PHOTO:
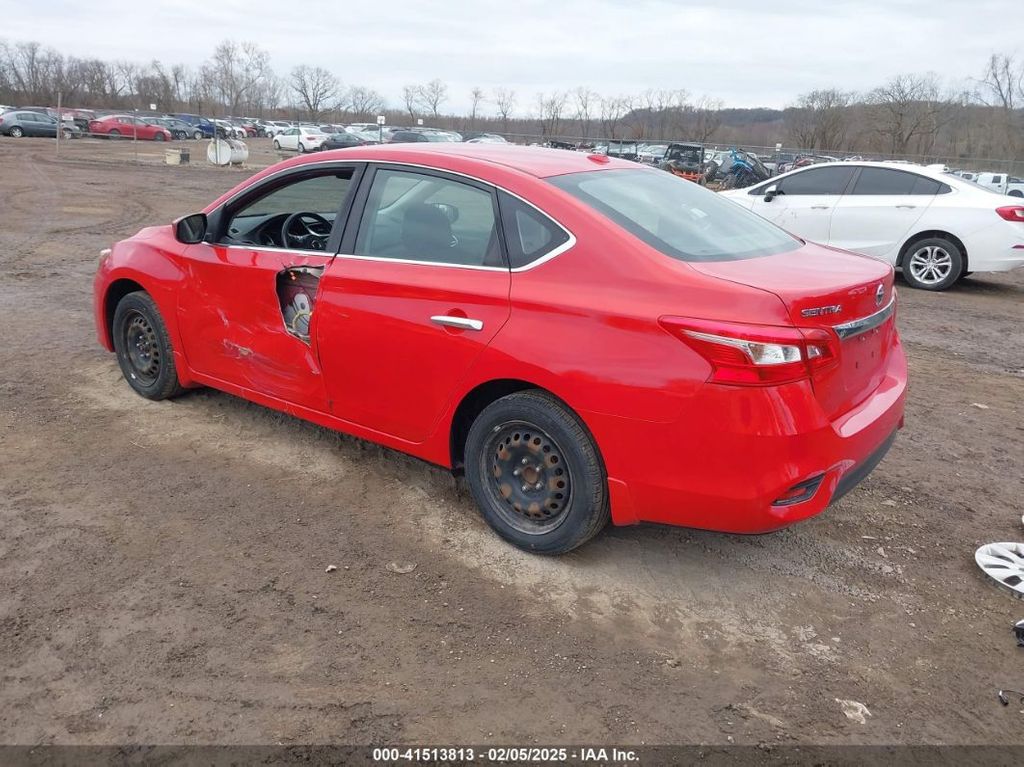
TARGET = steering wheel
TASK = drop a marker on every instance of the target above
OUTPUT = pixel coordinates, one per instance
(310, 240)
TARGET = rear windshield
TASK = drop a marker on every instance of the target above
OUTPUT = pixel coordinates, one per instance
(678, 217)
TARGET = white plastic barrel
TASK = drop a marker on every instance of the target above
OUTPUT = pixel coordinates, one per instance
(227, 151)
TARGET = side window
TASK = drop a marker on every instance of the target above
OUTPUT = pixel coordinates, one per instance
(997, 179)
(261, 221)
(418, 217)
(529, 234)
(926, 186)
(884, 181)
(817, 181)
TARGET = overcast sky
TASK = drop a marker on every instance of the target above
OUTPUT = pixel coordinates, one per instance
(745, 52)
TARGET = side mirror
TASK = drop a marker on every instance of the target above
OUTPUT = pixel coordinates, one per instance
(191, 229)
(770, 193)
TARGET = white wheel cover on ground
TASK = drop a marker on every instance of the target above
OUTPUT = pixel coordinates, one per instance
(1003, 563)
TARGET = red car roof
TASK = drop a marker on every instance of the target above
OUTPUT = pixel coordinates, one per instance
(536, 161)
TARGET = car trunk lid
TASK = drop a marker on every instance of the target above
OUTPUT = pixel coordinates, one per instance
(847, 294)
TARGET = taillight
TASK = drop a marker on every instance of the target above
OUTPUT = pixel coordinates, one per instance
(756, 355)
(1011, 212)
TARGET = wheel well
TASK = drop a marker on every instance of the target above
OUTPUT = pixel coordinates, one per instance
(117, 290)
(934, 233)
(472, 405)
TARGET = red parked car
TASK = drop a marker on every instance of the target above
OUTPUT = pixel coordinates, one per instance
(584, 338)
(127, 126)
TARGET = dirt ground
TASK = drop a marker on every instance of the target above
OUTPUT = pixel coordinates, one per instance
(162, 565)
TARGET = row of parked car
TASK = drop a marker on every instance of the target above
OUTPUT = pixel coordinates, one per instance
(75, 123)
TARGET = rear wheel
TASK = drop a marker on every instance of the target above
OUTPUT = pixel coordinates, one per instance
(536, 474)
(66, 134)
(933, 264)
(17, 132)
(143, 347)
(197, 135)
(158, 136)
(1016, 193)
(115, 134)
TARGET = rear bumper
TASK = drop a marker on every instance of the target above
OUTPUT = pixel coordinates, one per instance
(736, 452)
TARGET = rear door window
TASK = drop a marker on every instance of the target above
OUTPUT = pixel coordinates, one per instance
(879, 181)
(413, 216)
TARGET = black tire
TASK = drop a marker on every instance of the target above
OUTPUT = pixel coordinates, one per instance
(66, 134)
(302, 148)
(158, 136)
(16, 132)
(197, 135)
(143, 347)
(532, 440)
(1015, 193)
(277, 145)
(114, 134)
(933, 263)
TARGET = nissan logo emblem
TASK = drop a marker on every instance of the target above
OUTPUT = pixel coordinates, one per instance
(879, 294)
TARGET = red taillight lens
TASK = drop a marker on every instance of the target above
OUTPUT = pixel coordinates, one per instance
(756, 355)
(1011, 213)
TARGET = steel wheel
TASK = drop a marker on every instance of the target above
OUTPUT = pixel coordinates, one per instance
(142, 348)
(531, 482)
(930, 265)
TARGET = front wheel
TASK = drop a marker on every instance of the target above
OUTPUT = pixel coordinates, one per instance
(302, 148)
(143, 347)
(158, 137)
(933, 264)
(536, 474)
(277, 145)
(66, 134)
(197, 135)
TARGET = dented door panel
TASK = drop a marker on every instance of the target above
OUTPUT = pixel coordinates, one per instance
(233, 319)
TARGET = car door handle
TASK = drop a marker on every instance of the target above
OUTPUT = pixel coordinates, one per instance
(820, 207)
(463, 323)
(908, 207)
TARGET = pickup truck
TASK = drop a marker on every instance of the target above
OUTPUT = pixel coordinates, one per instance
(1001, 183)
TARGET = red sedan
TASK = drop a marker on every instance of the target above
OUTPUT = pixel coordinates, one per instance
(127, 126)
(586, 339)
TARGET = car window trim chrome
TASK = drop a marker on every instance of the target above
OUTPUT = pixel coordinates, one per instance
(414, 262)
(864, 324)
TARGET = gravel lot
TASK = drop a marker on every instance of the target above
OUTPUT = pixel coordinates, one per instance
(162, 565)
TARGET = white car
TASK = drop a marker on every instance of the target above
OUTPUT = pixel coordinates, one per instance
(308, 138)
(934, 226)
(1001, 183)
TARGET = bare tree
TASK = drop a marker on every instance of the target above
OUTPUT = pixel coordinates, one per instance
(907, 109)
(585, 100)
(316, 88)
(707, 118)
(432, 96)
(549, 110)
(1004, 81)
(505, 101)
(613, 110)
(477, 97)
(411, 97)
(364, 103)
(236, 70)
(820, 119)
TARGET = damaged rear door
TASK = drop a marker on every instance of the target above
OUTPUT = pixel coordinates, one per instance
(249, 316)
